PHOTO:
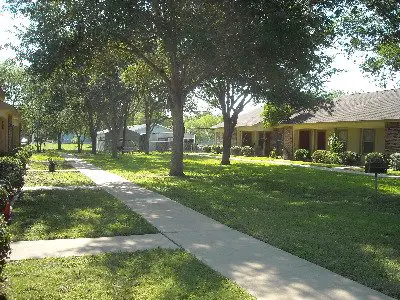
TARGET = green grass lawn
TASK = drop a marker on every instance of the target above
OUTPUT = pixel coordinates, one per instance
(335, 220)
(53, 214)
(153, 274)
(56, 179)
(44, 165)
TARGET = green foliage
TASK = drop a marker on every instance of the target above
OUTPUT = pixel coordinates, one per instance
(4, 245)
(217, 149)
(274, 114)
(12, 171)
(395, 161)
(201, 127)
(325, 157)
(152, 275)
(335, 145)
(273, 153)
(207, 149)
(57, 179)
(23, 154)
(295, 209)
(74, 213)
(247, 151)
(350, 158)
(236, 150)
(301, 154)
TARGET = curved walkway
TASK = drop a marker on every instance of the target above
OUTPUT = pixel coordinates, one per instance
(265, 271)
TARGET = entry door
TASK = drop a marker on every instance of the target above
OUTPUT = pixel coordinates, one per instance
(321, 140)
(304, 139)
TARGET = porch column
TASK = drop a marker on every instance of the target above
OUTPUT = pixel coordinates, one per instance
(288, 142)
(392, 137)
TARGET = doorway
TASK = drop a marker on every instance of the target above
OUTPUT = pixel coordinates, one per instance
(304, 139)
(321, 140)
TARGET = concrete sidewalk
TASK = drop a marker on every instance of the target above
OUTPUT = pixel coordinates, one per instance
(265, 271)
(88, 246)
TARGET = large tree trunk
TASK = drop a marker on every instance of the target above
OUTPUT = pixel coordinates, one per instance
(59, 141)
(114, 143)
(229, 127)
(78, 137)
(147, 137)
(177, 102)
(93, 137)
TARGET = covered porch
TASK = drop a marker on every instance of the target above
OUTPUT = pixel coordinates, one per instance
(10, 126)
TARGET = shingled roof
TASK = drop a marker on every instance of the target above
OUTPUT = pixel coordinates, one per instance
(373, 106)
(249, 118)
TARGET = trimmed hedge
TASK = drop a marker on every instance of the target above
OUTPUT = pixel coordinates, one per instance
(12, 171)
(350, 158)
(395, 161)
(217, 149)
(325, 157)
(247, 151)
(301, 154)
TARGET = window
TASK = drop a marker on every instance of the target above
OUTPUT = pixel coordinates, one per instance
(342, 135)
(368, 140)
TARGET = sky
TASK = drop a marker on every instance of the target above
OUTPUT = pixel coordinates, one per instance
(351, 80)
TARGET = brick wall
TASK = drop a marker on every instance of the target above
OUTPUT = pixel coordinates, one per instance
(392, 137)
(288, 142)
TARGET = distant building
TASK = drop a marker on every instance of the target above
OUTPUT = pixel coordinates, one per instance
(10, 126)
(135, 136)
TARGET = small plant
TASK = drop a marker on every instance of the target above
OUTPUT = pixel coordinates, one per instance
(350, 158)
(12, 171)
(335, 144)
(325, 157)
(395, 161)
(247, 151)
(236, 150)
(376, 162)
(217, 149)
(273, 153)
(4, 244)
(207, 149)
(302, 154)
(52, 165)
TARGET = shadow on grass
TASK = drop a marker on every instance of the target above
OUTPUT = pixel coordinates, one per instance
(335, 220)
(51, 214)
(154, 274)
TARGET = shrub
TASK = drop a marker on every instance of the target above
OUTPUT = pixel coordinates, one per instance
(301, 154)
(350, 158)
(325, 157)
(395, 161)
(247, 151)
(376, 160)
(23, 154)
(207, 149)
(4, 244)
(335, 144)
(12, 171)
(217, 149)
(236, 150)
(273, 153)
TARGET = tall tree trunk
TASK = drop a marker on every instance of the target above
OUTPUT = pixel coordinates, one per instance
(78, 137)
(59, 141)
(114, 143)
(93, 137)
(229, 127)
(177, 102)
(147, 138)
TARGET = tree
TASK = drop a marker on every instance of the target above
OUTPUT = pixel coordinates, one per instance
(151, 96)
(373, 27)
(182, 41)
(13, 80)
(201, 124)
(266, 65)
